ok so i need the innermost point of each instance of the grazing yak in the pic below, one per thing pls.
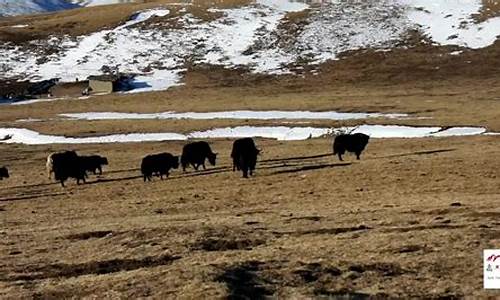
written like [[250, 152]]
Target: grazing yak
[[244, 155], [350, 142], [92, 163], [195, 154], [158, 164], [66, 165], [4, 173]]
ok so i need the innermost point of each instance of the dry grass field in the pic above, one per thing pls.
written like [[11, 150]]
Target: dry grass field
[[408, 220]]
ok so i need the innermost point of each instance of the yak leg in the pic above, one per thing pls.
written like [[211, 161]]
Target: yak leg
[[357, 155], [244, 167], [83, 179], [340, 156], [195, 166], [100, 170], [203, 164], [62, 183]]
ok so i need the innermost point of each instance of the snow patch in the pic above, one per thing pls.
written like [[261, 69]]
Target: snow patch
[[281, 133], [237, 114], [30, 137], [26, 136], [450, 22]]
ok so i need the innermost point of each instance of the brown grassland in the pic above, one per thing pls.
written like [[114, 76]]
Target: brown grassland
[[408, 220]]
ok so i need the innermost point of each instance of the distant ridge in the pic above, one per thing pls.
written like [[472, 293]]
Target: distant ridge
[[23, 7]]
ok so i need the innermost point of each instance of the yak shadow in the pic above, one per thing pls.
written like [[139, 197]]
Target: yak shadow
[[320, 231], [312, 167], [105, 180], [123, 171], [30, 185], [418, 153], [296, 158], [29, 197], [423, 228], [262, 164]]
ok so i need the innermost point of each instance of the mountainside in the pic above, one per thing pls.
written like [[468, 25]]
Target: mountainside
[[159, 42], [27, 7], [24, 7]]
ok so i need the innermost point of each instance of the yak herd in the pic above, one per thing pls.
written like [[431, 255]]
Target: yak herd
[[68, 164]]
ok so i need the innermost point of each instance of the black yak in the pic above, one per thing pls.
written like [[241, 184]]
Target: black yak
[[92, 163], [195, 154], [4, 173], [350, 142], [158, 164], [66, 165], [244, 155]]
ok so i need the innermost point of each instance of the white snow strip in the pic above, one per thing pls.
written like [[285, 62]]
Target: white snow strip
[[100, 2], [281, 133], [460, 131], [25, 102], [238, 114], [28, 120], [30, 137], [395, 131], [26, 136]]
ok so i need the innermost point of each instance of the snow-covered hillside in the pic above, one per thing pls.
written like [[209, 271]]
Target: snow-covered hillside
[[253, 36], [24, 7]]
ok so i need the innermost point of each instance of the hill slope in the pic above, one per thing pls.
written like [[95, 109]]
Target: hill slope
[[16, 7], [262, 37]]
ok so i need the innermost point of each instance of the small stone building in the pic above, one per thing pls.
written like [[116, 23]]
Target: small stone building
[[103, 83]]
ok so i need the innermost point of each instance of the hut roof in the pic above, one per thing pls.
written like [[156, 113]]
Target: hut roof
[[104, 77]]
